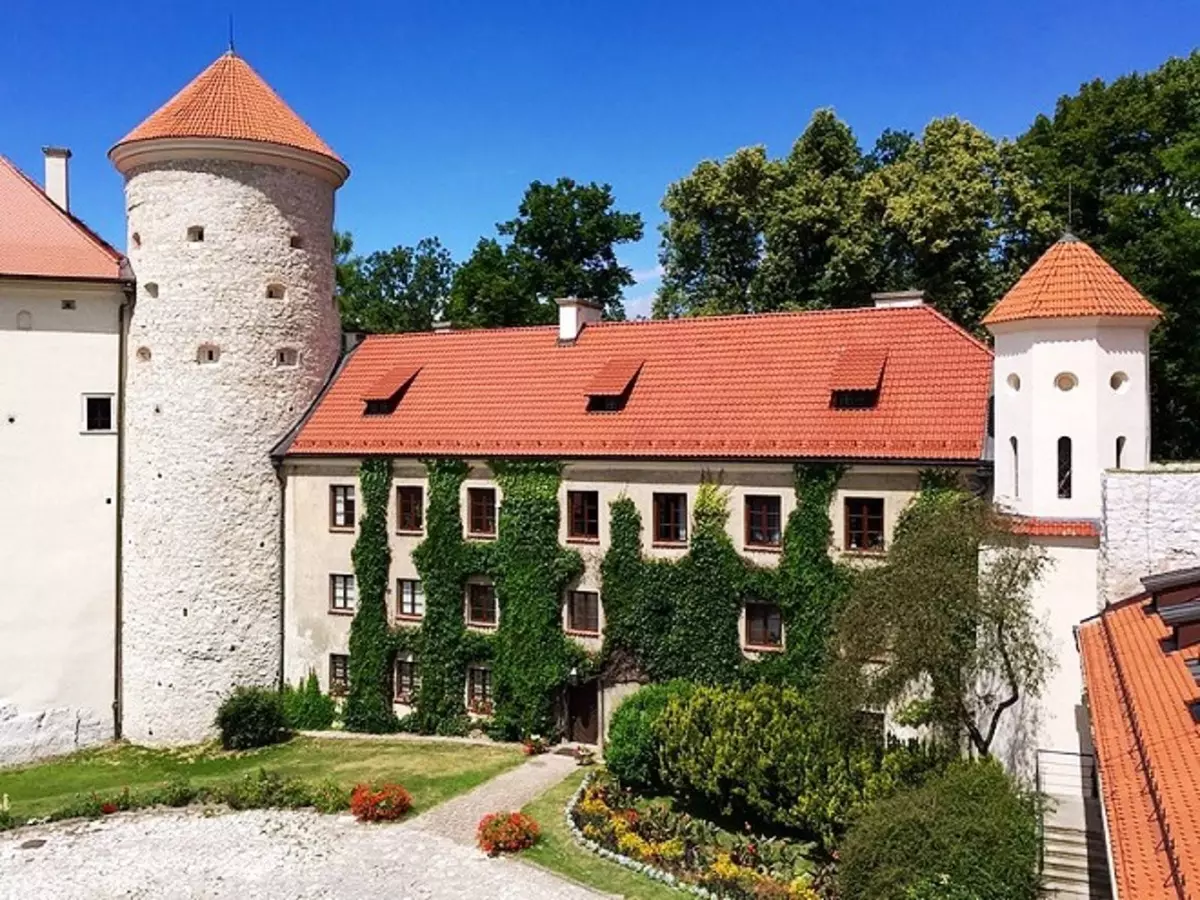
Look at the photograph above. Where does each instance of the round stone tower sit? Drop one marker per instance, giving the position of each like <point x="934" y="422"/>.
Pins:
<point x="229" y="201"/>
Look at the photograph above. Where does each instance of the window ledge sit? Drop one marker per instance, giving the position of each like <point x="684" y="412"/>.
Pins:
<point x="341" y="612"/>
<point x="671" y="545"/>
<point x="97" y="431"/>
<point x="483" y="626"/>
<point x="764" y="548"/>
<point x="754" y="648"/>
<point x="583" y="540"/>
<point x="866" y="554"/>
<point x="342" y="529"/>
<point x="404" y="617"/>
<point x="481" y="536"/>
<point x="575" y="632"/>
<point x="410" y="532"/>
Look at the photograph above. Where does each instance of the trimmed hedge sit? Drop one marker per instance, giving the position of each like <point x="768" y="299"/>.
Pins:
<point x="631" y="753"/>
<point x="252" y="717"/>
<point x="971" y="832"/>
<point x="765" y="754"/>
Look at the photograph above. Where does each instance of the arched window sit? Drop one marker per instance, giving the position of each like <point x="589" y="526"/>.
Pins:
<point x="1064" y="468"/>
<point x="275" y="291"/>
<point x="1120" y="449"/>
<point x="1016" y="466"/>
<point x="24" y="320"/>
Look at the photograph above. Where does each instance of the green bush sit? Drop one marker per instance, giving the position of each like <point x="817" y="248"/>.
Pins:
<point x="177" y="791"/>
<point x="306" y="708"/>
<point x="252" y="717"/>
<point x="631" y="752"/>
<point x="265" y="790"/>
<point x="765" y="754"/>
<point x="969" y="833"/>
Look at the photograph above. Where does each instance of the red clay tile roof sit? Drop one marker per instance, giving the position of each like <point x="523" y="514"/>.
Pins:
<point x="392" y="383"/>
<point x="1034" y="526"/>
<point x="858" y="369"/>
<point x="722" y="387"/>
<point x="38" y="239"/>
<point x="230" y="100"/>
<point x="1147" y="750"/>
<point x="1070" y="280"/>
<point x="614" y="377"/>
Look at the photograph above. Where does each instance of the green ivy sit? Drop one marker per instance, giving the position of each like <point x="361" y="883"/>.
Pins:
<point x="369" y="703"/>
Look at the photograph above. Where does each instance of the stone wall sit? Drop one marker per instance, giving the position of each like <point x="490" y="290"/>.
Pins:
<point x="1151" y="524"/>
<point x="26" y="737"/>
<point x="202" y="508"/>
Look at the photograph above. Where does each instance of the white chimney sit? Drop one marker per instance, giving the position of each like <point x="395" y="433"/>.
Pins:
<point x="573" y="314"/>
<point x="897" y="299"/>
<point x="57" y="182"/>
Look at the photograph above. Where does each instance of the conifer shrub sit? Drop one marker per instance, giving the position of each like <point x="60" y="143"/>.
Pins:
<point x="252" y="717"/>
<point x="631" y="752"/>
<point x="306" y="708"/>
<point x="971" y="832"/>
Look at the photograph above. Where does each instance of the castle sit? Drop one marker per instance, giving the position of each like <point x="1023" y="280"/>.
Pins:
<point x="181" y="436"/>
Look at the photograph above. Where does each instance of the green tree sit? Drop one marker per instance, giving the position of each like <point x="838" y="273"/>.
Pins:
<point x="957" y="643"/>
<point x="561" y="243"/>
<point x="402" y="289"/>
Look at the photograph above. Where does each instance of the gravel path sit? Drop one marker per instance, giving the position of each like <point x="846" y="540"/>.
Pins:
<point x="458" y="818"/>
<point x="267" y="854"/>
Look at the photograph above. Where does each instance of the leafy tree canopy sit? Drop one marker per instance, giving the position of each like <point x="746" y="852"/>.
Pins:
<point x="402" y="289"/>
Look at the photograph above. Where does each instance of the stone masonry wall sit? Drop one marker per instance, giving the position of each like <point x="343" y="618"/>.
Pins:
<point x="202" y="529"/>
<point x="1151" y="524"/>
<point x="29" y="736"/>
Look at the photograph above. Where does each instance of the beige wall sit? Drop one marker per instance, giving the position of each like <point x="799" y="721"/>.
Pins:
<point x="313" y="551"/>
<point x="59" y="515"/>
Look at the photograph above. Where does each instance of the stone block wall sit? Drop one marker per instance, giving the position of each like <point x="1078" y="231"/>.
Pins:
<point x="30" y="736"/>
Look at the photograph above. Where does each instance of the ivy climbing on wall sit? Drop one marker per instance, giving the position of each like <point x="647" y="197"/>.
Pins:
<point x="369" y="704"/>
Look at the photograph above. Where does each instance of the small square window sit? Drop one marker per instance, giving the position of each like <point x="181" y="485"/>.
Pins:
<point x="195" y="233"/>
<point x="763" y="525"/>
<point x="342" y="594"/>
<point x="481" y="512"/>
<point x="410" y="599"/>
<point x="583" y="515"/>
<point x="68" y="304"/>
<point x="287" y="357"/>
<point x="98" y="413"/>
<point x="339" y="674"/>
<point x="341" y="506"/>
<point x="864" y="523"/>
<point x="482" y="609"/>
<point x="275" y="292"/>
<point x="670" y="519"/>
<point x="764" y="626"/>
<point x="410" y="508"/>
<point x="583" y="612"/>
<point x="208" y="354"/>
<point x="297" y="242"/>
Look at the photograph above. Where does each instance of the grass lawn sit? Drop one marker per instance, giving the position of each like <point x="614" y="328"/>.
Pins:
<point x="431" y="771"/>
<point x="558" y="852"/>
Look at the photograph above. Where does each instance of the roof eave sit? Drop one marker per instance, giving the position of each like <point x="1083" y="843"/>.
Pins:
<point x="130" y="154"/>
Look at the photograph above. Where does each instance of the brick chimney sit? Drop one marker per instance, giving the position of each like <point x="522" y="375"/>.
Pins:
<point x="573" y="314"/>
<point x="57" y="184"/>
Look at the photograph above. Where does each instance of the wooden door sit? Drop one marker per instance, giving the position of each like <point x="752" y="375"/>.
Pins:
<point x="583" y="713"/>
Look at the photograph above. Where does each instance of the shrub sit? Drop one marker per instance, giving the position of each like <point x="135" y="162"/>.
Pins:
<point x="306" y="708"/>
<point x="176" y="791"/>
<point x="252" y="717"/>
<point x="767" y="755"/>
<point x="969" y="834"/>
<point x="330" y="797"/>
<point x="631" y="753"/>
<point x="382" y="803"/>
<point x="507" y="833"/>
<point x="264" y="790"/>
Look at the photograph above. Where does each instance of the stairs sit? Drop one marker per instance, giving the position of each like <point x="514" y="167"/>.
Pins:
<point x="1074" y="855"/>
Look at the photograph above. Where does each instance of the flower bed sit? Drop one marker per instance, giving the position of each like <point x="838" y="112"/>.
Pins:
<point x="685" y="851"/>
<point x="507" y="833"/>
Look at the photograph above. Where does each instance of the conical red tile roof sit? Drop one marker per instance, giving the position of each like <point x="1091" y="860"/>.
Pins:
<point x="1070" y="280"/>
<point x="230" y="100"/>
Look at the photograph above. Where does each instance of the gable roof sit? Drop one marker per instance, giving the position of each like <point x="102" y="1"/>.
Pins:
<point x="40" y="240"/>
<point x="230" y="100"/>
<point x="1147" y="749"/>
<point x="707" y="388"/>
<point x="1070" y="280"/>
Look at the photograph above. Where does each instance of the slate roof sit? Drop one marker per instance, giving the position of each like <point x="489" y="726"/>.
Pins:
<point x="729" y="387"/>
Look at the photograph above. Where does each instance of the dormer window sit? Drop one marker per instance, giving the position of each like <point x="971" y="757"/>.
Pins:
<point x="857" y="377"/>
<point x="854" y="399"/>
<point x="385" y="395"/>
<point x="610" y="389"/>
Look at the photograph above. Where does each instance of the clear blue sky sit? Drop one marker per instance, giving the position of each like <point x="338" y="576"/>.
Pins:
<point x="446" y="110"/>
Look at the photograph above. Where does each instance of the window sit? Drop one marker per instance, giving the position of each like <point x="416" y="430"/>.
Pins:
<point x="583" y="612"/>
<point x="864" y="523"/>
<point x="24" y="320"/>
<point x="339" y="674"/>
<point x="481" y="512"/>
<point x="151" y="289"/>
<point x="1120" y="450"/>
<point x="1016" y="464"/>
<point x="1065" y="381"/>
<point x="1119" y="382"/>
<point x="854" y="399"/>
<point x="195" y="234"/>
<point x="1064" y="468"/>
<point x="1014" y="382"/>
<point x="341" y="506"/>
<point x="297" y="242"/>
<point x="68" y="304"/>
<point x="583" y="515"/>
<point x="763" y="521"/>
<point x="98" y="413"/>
<point x="275" y="291"/>
<point x="670" y="519"/>
<point x="410" y="508"/>
<point x="136" y="240"/>
<point x="764" y="625"/>
<point x="410" y="599"/>
<point x="287" y="357"/>
<point x="341" y="593"/>
<point x="481" y="605"/>
<point x="407" y="681"/>
<point x="207" y="354"/>
<point x="479" y="690"/>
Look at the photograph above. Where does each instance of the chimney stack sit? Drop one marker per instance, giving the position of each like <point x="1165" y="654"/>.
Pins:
<point x="57" y="184"/>
<point x="898" y="299"/>
<point x="573" y="314"/>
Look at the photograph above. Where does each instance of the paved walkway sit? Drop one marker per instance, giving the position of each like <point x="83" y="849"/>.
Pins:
<point x="458" y="818"/>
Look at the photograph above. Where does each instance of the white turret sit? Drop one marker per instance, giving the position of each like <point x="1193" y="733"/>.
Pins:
<point x="229" y="197"/>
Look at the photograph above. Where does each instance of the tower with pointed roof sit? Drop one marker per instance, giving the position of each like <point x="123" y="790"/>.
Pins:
<point x="229" y="199"/>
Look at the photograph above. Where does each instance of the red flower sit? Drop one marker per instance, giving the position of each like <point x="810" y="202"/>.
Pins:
<point x="506" y="833"/>
<point x="108" y="808"/>
<point x="379" y="804"/>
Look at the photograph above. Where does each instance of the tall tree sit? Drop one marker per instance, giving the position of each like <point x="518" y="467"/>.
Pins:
<point x="563" y="242"/>
<point x="402" y="289"/>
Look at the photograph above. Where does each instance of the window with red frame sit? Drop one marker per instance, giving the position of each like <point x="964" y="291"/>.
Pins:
<point x="481" y="512"/>
<point x="583" y="515"/>
<point x="763" y="521"/>
<point x="583" y="612"/>
<point x="481" y="605"/>
<point x="410" y="508"/>
<point x="670" y="518"/>
<point x="764" y="625"/>
<point x="864" y="523"/>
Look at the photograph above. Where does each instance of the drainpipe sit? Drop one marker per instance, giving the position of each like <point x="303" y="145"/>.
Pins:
<point x="124" y="313"/>
<point x="283" y="498"/>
